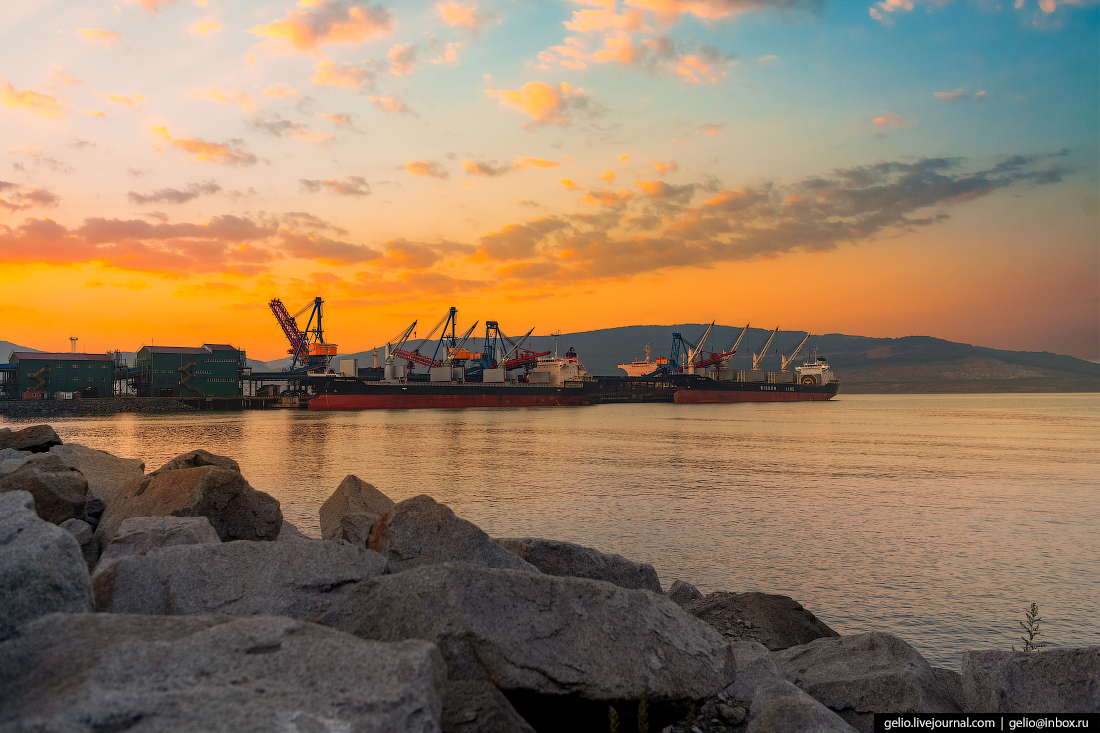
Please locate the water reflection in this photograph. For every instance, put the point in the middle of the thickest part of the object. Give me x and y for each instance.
(940, 518)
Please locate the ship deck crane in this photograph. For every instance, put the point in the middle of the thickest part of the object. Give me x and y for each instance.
(722, 359)
(757, 358)
(785, 361)
(307, 346)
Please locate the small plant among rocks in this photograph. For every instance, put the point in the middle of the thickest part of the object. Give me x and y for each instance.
(1031, 627)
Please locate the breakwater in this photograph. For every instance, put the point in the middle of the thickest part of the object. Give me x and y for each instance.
(93, 406)
(212, 607)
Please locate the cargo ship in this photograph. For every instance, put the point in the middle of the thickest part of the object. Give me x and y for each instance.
(706, 380)
(813, 380)
(644, 368)
(464, 379)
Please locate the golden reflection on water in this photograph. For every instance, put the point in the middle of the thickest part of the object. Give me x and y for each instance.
(938, 517)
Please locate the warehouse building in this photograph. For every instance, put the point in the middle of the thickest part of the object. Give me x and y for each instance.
(210, 370)
(44, 375)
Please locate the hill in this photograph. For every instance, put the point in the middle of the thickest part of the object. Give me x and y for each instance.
(912, 364)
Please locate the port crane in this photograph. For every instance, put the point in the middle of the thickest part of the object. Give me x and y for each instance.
(685, 354)
(307, 346)
(785, 361)
(757, 358)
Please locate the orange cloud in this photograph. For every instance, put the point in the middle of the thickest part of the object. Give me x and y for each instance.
(339, 119)
(281, 91)
(204, 27)
(525, 162)
(323, 22)
(606, 197)
(153, 6)
(128, 101)
(247, 101)
(338, 74)
(101, 36)
(59, 78)
(350, 186)
(890, 119)
(950, 97)
(200, 150)
(30, 100)
(430, 168)
(608, 176)
(402, 59)
(704, 67)
(449, 55)
(135, 244)
(585, 21)
(279, 127)
(391, 105)
(711, 129)
(663, 168)
(545, 104)
(569, 184)
(462, 16)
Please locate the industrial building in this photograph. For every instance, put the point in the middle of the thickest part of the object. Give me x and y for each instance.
(44, 375)
(210, 370)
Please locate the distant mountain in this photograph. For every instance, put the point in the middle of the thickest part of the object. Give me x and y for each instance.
(908, 365)
(6, 347)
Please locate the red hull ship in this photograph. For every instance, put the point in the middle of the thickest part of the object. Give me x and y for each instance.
(355, 394)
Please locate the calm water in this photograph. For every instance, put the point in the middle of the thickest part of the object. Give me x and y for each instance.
(940, 518)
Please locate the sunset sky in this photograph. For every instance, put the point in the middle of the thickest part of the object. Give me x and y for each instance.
(892, 168)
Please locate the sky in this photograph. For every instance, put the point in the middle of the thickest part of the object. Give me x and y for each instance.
(887, 169)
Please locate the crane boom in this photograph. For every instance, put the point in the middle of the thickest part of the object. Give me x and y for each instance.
(731, 352)
(785, 361)
(757, 358)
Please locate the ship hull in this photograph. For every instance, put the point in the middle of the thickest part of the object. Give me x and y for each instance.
(358, 395)
(705, 390)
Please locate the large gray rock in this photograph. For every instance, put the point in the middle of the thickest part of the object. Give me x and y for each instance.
(352, 510)
(138, 535)
(196, 459)
(1049, 681)
(682, 593)
(235, 509)
(85, 536)
(862, 674)
(290, 532)
(755, 667)
(60, 491)
(780, 707)
(290, 578)
(554, 557)
(952, 680)
(11, 459)
(35, 439)
(108, 672)
(777, 622)
(420, 531)
(41, 568)
(105, 473)
(479, 707)
(561, 649)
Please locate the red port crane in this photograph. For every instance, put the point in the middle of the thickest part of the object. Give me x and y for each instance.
(308, 347)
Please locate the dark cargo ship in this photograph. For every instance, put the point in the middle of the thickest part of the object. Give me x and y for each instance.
(811, 381)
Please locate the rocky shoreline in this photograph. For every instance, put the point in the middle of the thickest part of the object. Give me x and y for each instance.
(93, 406)
(180, 599)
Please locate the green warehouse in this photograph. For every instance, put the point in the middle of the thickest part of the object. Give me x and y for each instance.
(42, 374)
(211, 370)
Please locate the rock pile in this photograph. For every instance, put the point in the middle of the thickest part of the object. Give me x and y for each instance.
(162, 602)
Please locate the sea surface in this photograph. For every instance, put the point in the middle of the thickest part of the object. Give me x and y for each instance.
(940, 518)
